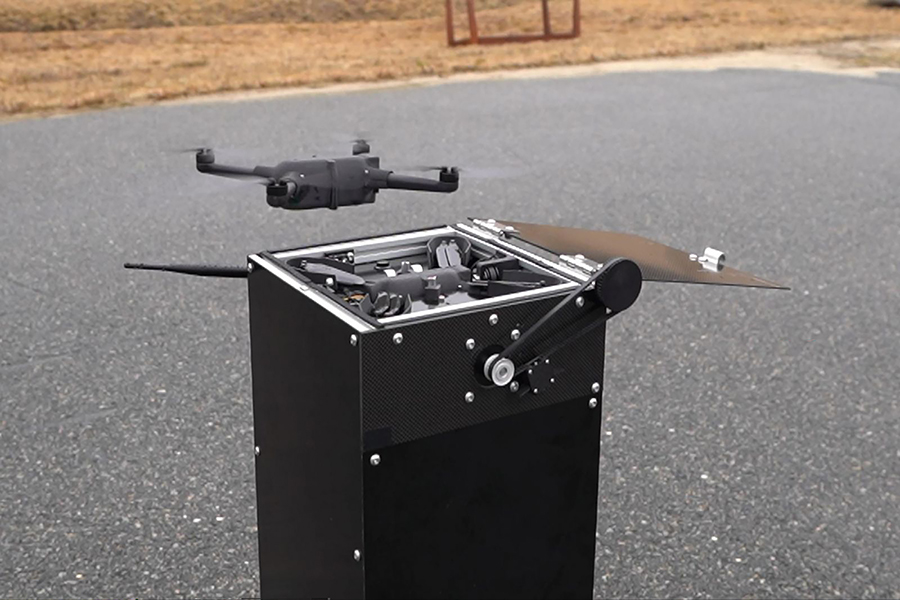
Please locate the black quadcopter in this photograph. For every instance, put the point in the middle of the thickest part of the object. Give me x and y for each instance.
(328, 182)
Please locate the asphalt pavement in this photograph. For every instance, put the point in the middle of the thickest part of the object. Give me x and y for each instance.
(751, 443)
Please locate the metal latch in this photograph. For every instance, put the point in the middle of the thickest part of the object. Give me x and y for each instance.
(711, 260)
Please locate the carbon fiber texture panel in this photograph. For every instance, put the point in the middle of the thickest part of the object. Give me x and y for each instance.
(418, 388)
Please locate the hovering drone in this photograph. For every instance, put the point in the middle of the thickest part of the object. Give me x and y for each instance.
(328, 182)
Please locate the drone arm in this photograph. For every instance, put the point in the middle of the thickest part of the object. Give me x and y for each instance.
(448, 182)
(206, 163)
(235, 172)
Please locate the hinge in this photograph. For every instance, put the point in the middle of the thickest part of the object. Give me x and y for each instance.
(493, 227)
(579, 262)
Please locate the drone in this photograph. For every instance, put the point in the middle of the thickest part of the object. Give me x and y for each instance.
(328, 182)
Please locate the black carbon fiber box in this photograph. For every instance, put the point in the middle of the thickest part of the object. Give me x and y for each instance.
(388, 468)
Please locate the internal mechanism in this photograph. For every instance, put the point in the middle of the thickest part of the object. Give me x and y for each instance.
(399, 279)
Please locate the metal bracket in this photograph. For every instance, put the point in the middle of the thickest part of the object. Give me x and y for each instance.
(579, 262)
(493, 227)
(711, 260)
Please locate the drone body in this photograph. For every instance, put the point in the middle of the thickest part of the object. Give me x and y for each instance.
(327, 182)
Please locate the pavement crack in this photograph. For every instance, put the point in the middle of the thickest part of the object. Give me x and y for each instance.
(83, 418)
(24, 286)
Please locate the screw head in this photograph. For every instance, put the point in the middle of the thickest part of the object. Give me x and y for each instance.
(493, 319)
(357, 555)
(515, 334)
(579, 301)
(595, 387)
(592, 403)
(514, 387)
(353, 339)
(375, 460)
(470, 344)
(398, 338)
(470, 397)
(256, 450)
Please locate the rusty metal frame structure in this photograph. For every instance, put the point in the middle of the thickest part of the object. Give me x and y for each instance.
(548, 33)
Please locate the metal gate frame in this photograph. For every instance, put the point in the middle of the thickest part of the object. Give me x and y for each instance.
(548, 34)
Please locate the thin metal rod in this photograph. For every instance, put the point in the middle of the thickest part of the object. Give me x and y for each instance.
(449, 11)
(473, 25)
(576, 18)
(545, 9)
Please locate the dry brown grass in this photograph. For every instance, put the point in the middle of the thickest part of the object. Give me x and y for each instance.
(72, 15)
(67, 70)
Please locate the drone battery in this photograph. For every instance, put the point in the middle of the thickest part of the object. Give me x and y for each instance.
(389, 465)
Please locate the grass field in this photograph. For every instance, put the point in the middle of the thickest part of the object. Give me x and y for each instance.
(206, 46)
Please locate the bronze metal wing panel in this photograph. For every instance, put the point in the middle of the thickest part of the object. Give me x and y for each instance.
(658, 262)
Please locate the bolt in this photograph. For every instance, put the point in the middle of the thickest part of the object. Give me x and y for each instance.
(329, 281)
(579, 301)
(256, 450)
(493, 319)
(592, 403)
(514, 334)
(553, 380)
(375, 460)
(249, 267)
(356, 555)
(353, 339)
(470, 344)
(514, 387)
(398, 338)
(534, 391)
(546, 361)
(470, 397)
(595, 387)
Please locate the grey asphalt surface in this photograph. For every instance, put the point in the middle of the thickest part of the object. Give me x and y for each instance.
(751, 443)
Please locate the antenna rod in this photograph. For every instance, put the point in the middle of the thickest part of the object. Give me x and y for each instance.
(199, 270)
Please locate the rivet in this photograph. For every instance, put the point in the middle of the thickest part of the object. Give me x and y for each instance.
(514, 334)
(579, 301)
(595, 387)
(357, 555)
(329, 281)
(546, 361)
(493, 319)
(592, 403)
(249, 267)
(514, 387)
(470, 397)
(398, 338)
(534, 391)
(375, 460)
(470, 344)
(553, 380)
(256, 450)
(353, 339)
